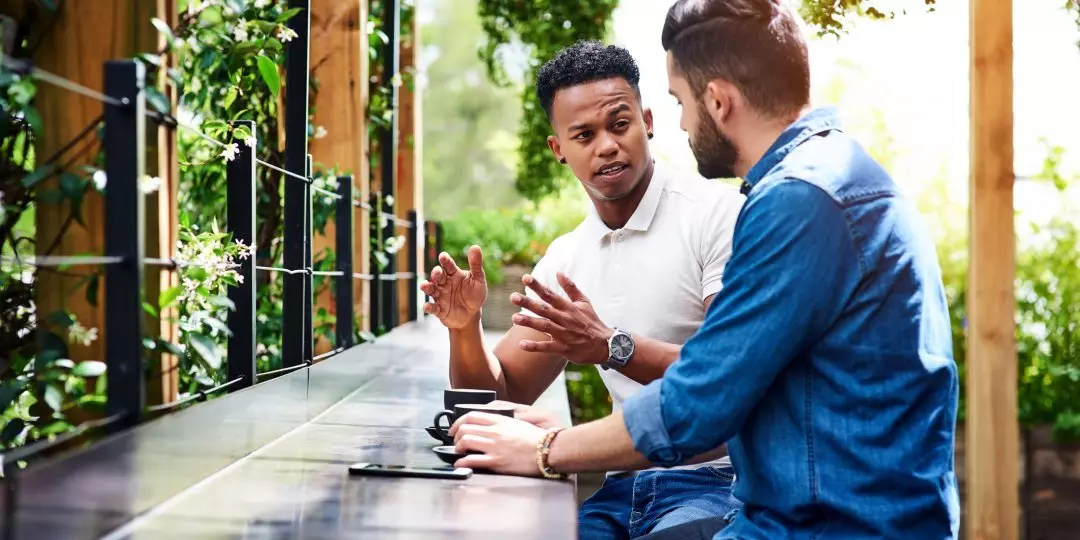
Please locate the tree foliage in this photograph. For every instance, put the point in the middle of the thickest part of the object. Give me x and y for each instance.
(543, 28)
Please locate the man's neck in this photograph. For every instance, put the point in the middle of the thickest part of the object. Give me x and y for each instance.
(616, 213)
(757, 143)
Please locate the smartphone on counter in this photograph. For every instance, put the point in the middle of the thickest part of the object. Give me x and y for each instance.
(376, 469)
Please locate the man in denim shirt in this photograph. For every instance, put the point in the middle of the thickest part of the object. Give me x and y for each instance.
(825, 361)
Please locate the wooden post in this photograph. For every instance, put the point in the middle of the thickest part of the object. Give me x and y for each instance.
(409, 182)
(162, 209)
(76, 46)
(339, 61)
(992, 431)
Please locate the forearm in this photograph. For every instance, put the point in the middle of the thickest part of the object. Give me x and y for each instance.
(651, 358)
(605, 445)
(471, 364)
(599, 446)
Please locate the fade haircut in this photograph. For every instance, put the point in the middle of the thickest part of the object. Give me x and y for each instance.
(755, 45)
(584, 62)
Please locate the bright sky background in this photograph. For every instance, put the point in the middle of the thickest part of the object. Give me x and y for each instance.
(912, 73)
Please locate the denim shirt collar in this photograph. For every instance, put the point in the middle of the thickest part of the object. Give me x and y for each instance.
(815, 122)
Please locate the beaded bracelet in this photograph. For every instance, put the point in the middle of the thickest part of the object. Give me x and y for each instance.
(543, 448)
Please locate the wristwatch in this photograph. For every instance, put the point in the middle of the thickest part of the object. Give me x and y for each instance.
(620, 350)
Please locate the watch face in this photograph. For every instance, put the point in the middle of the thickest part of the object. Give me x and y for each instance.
(622, 346)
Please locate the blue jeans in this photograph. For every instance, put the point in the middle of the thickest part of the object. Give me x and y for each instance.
(633, 505)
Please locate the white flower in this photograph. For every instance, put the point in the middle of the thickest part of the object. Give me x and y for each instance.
(240, 33)
(320, 132)
(393, 245)
(389, 200)
(250, 141)
(230, 151)
(262, 4)
(79, 334)
(285, 34)
(396, 80)
(100, 180)
(150, 184)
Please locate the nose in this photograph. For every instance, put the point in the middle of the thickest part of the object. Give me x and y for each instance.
(606, 145)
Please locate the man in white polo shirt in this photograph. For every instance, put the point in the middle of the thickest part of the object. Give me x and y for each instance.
(649, 257)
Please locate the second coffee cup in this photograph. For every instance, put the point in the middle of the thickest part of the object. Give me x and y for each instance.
(466, 408)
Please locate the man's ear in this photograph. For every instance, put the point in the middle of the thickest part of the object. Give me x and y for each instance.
(556, 149)
(646, 115)
(718, 98)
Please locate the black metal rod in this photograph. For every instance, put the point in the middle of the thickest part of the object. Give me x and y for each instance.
(376, 289)
(240, 215)
(415, 233)
(327, 354)
(388, 153)
(343, 292)
(296, 139)
(309, 247)
(125, 165)
(201, 395)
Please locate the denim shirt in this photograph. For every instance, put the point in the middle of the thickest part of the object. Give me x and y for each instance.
(825, 361)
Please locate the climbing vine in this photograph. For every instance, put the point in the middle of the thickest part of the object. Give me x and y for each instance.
(542, 28)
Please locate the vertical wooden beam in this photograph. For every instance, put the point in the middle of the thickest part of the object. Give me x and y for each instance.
(162, 209)
(339, 62)
(73, 47)
(409, 182)
(992, 430)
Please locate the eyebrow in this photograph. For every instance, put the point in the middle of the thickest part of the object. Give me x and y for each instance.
(622, 107)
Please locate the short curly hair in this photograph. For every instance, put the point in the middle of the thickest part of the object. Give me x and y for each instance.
(584, 62)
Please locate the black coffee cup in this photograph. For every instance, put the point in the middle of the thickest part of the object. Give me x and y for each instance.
(466, 408)
(460, 396)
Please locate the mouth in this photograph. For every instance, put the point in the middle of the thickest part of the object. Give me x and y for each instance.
(612, 170)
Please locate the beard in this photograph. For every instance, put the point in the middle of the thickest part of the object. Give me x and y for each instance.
(715, 153)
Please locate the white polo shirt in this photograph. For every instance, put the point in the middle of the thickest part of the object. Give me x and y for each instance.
(651, 277)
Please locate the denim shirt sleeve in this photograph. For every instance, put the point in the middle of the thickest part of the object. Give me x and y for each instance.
(793, 263)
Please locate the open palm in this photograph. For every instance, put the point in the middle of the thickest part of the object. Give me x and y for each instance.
(457, 295)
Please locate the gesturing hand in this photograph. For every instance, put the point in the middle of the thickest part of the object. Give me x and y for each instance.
(576, 332)
(457, 294)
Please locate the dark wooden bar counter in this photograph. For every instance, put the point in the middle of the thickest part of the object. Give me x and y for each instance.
(271, 462)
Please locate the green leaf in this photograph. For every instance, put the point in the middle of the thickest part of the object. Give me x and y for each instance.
(222, 301)
(206, 349)
(65, 363)
(9, 390)
(168, 296)
(156, 100)
(268, 70)
(230, 97)
(169, 347)
(163, 27)
(54, 397)
(33, 118)
(149, 309)
(217, 325)
(247, 48)
(61, 319)
(89, 368)
(12, 430)
(37, 176)
(72, 186)
(214, 126)
(288, 14)
(92, 403)
(92, 290)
